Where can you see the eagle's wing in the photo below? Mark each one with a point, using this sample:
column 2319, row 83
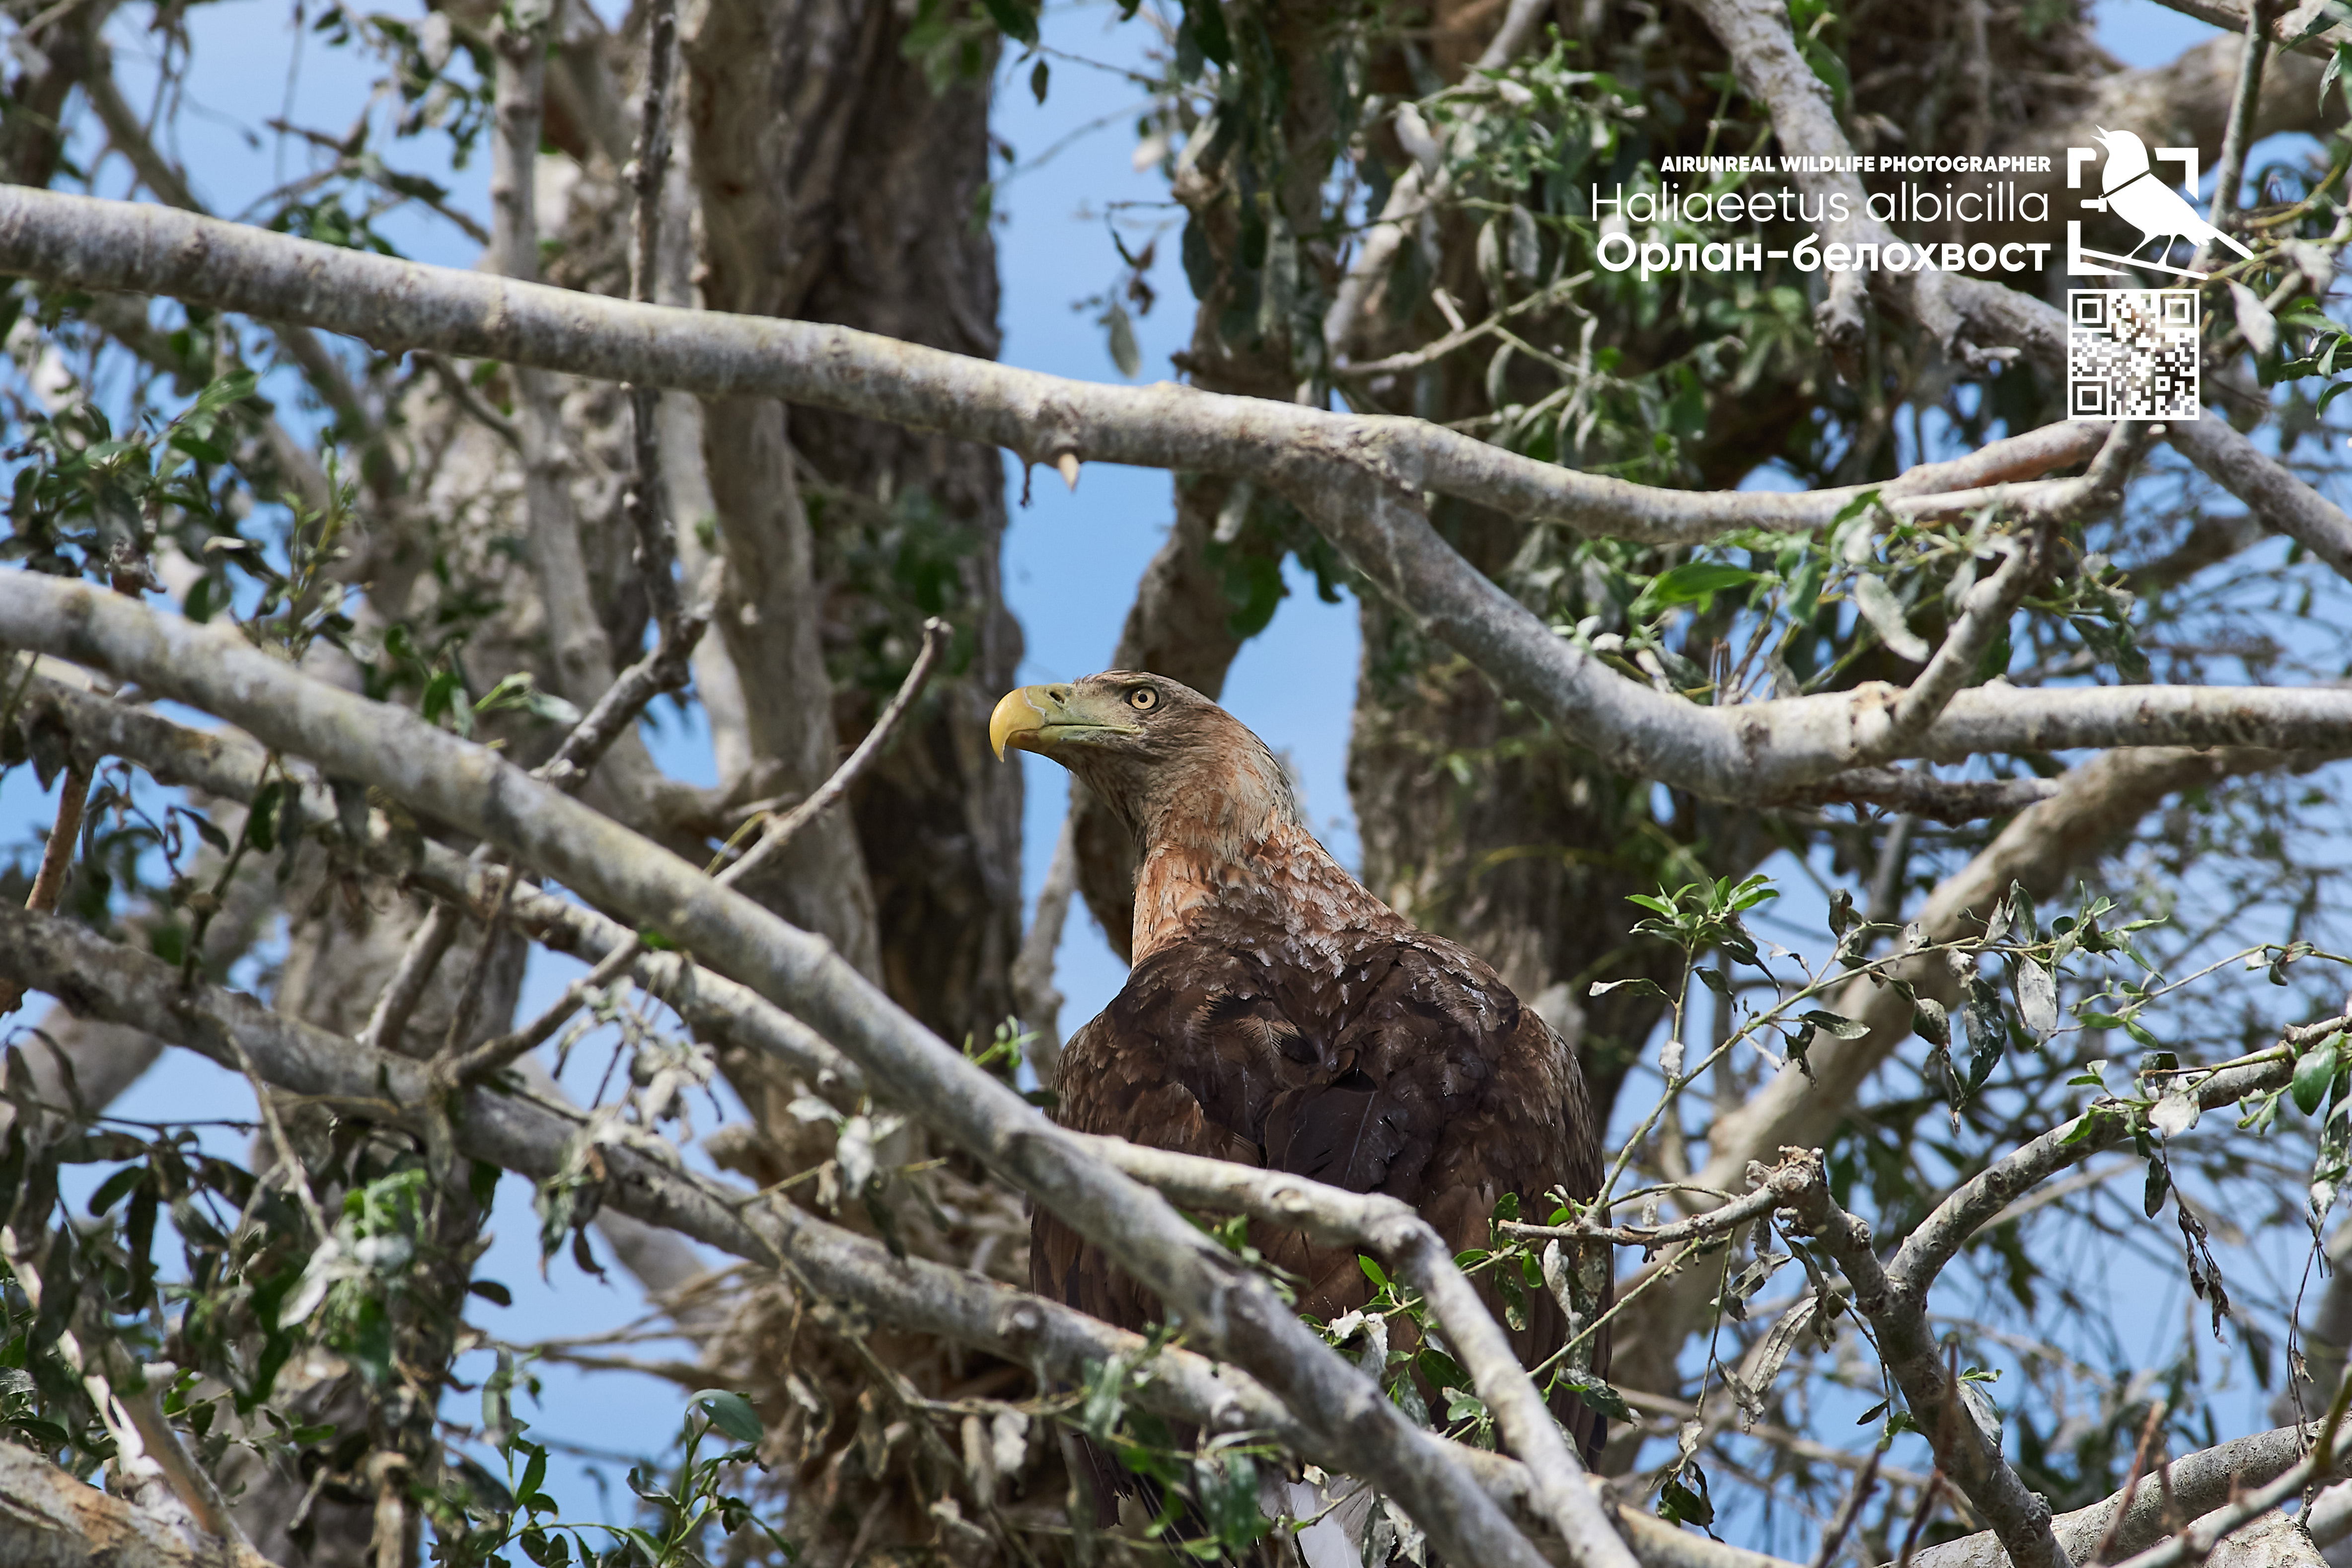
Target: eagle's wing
column 1447, row 1093
column 1397, row 1064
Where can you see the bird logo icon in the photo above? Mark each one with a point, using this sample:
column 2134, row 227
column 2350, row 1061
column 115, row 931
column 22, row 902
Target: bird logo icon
column 2130, row 189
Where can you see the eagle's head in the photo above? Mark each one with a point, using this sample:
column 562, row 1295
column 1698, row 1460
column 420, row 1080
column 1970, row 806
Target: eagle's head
column 1151, row 748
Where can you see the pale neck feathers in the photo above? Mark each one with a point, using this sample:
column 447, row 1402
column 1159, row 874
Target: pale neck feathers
column 1232, row 841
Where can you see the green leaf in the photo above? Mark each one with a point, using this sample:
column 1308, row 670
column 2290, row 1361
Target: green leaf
column 260, row 822
column 229, row 389
column 1124, row 352
column 2313, row 1071
column 1888, row 618
column 1597, row 1396
column 491, row 1290
column 1836, row 1024
column 197, row 447
column 1696, row 580
column 1207, row 21
column 1638, row 985
column 730, row 1413
column 1040, row 76
column 1678, row 1504
column 205, row 831
column 115, row 1188
column 442, row 700
column 1014, row 19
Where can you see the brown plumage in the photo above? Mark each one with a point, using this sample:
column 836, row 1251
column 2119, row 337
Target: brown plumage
column 1280, row 1015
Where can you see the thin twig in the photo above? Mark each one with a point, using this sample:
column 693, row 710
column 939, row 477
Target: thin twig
column 1897, row 1314
column 1863, row 1485
column 1034, row 993
column 781, row 831
column 470, row 401
column 2239, row 139
column 666, row 669
column 298, row 1178
column 2139, row 1467
column 187, row 1480
column 469, row 995
column 492, row 1055
column 2196, row 1543
column 1699, row 1227
column 56, row 860
column 1919, row 1519
column 388, row 1019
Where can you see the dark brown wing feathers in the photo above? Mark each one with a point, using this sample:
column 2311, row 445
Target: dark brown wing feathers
column 1386, row 1061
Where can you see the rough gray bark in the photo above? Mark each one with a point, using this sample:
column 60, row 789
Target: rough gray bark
column 836, row 186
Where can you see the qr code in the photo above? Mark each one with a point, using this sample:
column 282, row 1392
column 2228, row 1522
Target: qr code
column 2131, row 353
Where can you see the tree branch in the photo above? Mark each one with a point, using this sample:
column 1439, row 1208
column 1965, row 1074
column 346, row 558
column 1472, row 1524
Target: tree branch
column 779, row 833
column 2277, row 497
column 228, row 766
column 1906, row 1344
column 112, row 981
column 400, row 305
column 56, row 859
column 1234, row 1313
column 2230, row 171
column 1953, row 801
column 54, row 1520
column 2201, row 1482
column 1034, row 993
column 1936, row 1240
column 2095, row 804
column 1354, row 475
column 2232, row 15
column 1961, row 311
column 1392, row 1228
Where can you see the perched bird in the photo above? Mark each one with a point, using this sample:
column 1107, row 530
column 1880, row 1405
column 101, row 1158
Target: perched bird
column 1280, row 1015
column 2133, row 192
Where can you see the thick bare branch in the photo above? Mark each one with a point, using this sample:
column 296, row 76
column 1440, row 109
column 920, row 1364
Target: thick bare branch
column 400, row 305
column 1354, row 475
column 50, row 1520
column 2201, row 1482
column 2277, row 497
column 229, row 766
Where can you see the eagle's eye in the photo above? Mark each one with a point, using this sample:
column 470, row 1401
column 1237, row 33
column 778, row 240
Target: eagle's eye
column 1143, row 699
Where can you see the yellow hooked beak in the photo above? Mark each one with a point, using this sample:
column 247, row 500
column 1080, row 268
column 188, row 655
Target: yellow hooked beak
column 1018, row 719
column 1032, row 718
